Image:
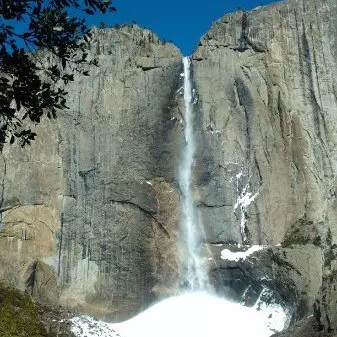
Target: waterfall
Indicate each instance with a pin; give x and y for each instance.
(194, 313)
(193, 275)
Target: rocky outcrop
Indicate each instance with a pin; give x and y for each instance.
(290, 276)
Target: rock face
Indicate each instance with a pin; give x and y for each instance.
(266, 173)
(266, 87)
(90, 212)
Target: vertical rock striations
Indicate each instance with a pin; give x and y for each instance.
(93, 198)
(266, 89)
(266, 83)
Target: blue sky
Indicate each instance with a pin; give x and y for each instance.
(182, 22)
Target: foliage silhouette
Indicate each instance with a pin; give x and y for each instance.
(30, 87)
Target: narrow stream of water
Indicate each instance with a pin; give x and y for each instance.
(193, 275)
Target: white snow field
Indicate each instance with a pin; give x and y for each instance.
(190, 315)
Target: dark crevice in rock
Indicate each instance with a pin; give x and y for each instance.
(31, 280)
(307, 69)
(259, 225)
(123, 237)
(7, 208)
(246, 102)
(203, 204)
(315, 63)
(258, 170)
(149, 213)
(83, 174)
(281, 111)
(60, 244)
(3, 188)
(198, 59)
(221, 242)
(282, 263)
(245, 41)
(148, 68)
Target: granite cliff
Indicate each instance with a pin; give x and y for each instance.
(90, 212)
(266, 84)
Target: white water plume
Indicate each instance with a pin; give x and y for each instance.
(192, 314)
(194, 275)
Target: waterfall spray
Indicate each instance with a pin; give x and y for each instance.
(194, 274)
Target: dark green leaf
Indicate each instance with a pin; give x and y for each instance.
(89, 11)
(50, 25)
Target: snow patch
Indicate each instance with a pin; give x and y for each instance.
(226, 254)
(275, 316)
(85, 326)
(244, 199)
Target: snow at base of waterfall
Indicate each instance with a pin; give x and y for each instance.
(191, 314)
(85, 326)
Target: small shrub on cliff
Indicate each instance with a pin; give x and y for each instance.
(294, 240)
